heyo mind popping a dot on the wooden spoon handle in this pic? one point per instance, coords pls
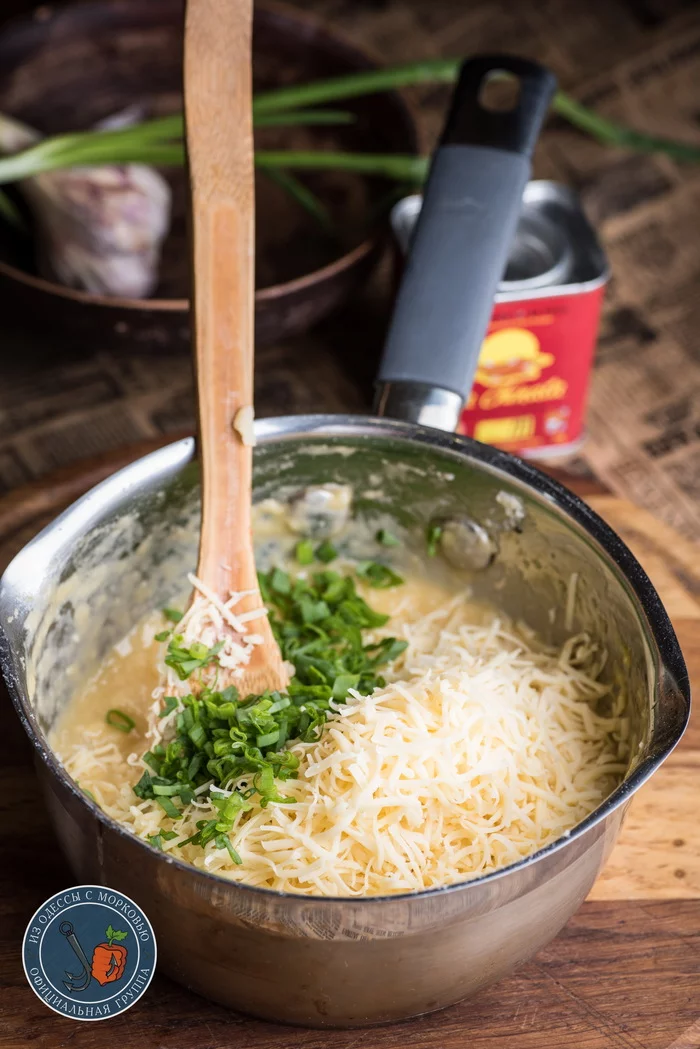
(218, 95)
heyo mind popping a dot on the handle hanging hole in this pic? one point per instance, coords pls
(499, 91)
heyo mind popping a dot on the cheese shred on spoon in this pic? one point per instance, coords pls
(480, 748)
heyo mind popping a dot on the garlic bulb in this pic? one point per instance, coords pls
(98, 229)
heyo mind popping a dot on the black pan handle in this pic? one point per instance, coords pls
(461, 244)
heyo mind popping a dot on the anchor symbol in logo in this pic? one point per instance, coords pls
(75, 981)
(108, 961)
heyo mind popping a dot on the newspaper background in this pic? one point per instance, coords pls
(637, 61)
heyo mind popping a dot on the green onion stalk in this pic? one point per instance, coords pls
(159, 142)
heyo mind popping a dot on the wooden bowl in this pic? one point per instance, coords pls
(70, 66)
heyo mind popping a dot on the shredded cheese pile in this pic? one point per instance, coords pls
(481, 749)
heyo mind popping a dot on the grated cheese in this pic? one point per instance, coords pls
(570, 601)
(244, 424)
(482, 748)
(211, 620)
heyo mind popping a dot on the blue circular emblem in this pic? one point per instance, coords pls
(89, 952)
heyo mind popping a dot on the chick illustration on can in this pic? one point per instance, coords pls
(510, 356)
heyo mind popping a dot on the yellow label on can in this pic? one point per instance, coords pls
(513, 428)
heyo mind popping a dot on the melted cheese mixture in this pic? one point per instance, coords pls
(482, 748)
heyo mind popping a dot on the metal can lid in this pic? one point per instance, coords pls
(541, 255)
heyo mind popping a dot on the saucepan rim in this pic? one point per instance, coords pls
(652, 616)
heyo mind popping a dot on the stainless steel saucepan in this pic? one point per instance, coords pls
(124, 548)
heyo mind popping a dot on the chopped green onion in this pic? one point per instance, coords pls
(223, 842)
(188, 666)
(378, 576)
(88, 793)
(152, 760)
(170, 704)
(313, 611)
(280, 581)
(265, 592)
(433, 535)
(163, 636)
(386, 650)
(344, 682)
(387, 538)
(304, 552)
(326, 552)
(144, 787)
(219, 738)
(198, 735)
(168, 790)
(169, 809)
(118, 719)
(194, 839)
(173, 614)
(184, 661)
(268, 738)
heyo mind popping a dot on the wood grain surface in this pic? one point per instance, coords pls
(624, 973)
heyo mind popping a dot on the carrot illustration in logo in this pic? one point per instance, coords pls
(109, 959)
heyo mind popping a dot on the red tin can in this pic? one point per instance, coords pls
(530, 388)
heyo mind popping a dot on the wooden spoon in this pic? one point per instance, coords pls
(218, 114)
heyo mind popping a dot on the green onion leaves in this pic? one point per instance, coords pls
(227, 748)
(326, 552)
(279, 581)
(170, 704)
(304, 552)
(169, 808)
(184, 661)
(86, 792)
(157, 839)
(379, 576)
(432, 536)
(118, 719)
(305, 555)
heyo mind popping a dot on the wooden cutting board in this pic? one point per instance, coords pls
(624, 973)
